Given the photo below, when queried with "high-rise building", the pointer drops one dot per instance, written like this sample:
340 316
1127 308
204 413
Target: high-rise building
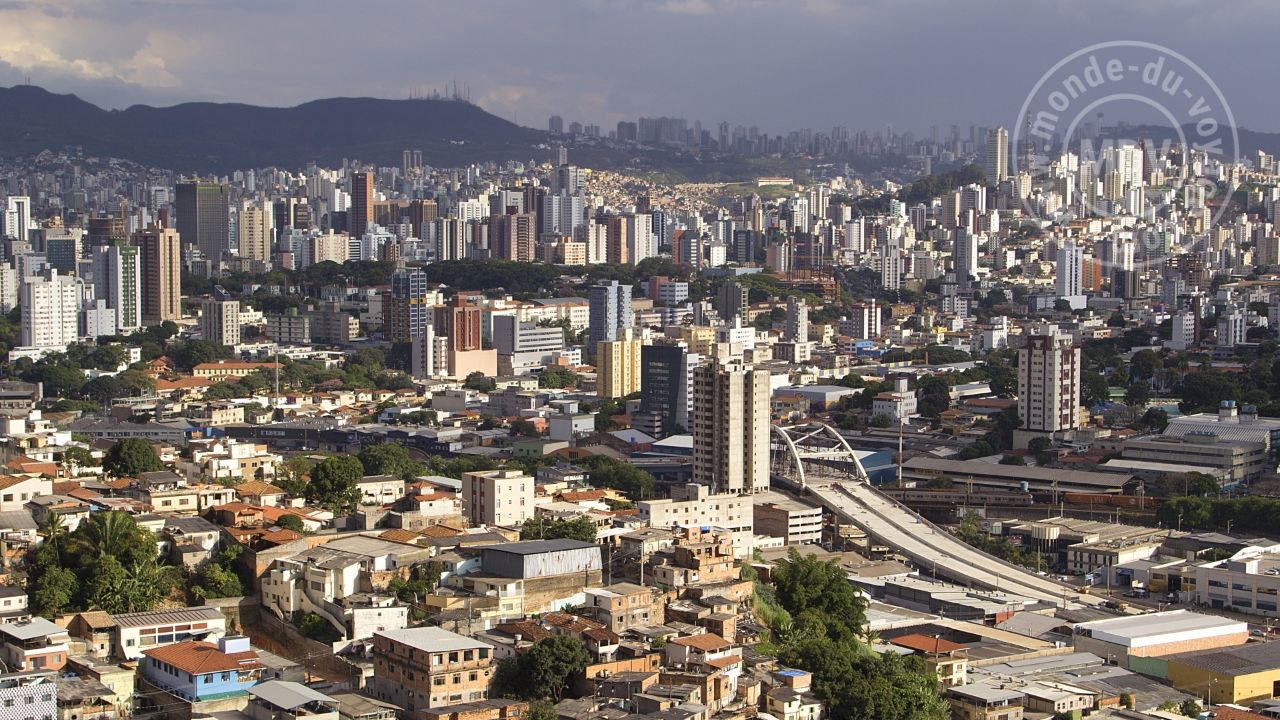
966 256
1184 330
406 311
513 236
610 308
204 216
50 310
117 279
731 428
996 160
796 328
497 497
1049 382
618 365
161 272
1232 327
361 212
1070 270
220 318
666 390
17 217
731 301
555 125
459 322
863 322
254 227
617 246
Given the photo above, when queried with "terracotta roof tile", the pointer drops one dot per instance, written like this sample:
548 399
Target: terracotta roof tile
706 642
199 658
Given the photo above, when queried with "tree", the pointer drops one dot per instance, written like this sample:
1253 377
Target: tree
557 377
1093 389
115 534
540 528
935 395
1156 419
129 457
291 475
1010 459
544 671
1190 707
479 381
806 584
101 389
334 483
216 581
880 421
1062 305
51 591
386 459
291 522
76 458
1137 394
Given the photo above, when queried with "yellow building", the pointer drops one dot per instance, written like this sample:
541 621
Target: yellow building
618 366
1231 675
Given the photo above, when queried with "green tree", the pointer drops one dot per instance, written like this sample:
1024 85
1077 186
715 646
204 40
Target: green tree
115 534
880 421
292 475
76 458
1137 394
215 581
386 459
1093 389
51 590
479 381
334 483
540 528
129 457
543 672
291 522
101 389
806 585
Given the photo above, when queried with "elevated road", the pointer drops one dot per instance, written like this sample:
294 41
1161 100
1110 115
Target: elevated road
931 547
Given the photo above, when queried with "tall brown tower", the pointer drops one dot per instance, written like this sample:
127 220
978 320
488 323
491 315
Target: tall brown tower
361 203
161 274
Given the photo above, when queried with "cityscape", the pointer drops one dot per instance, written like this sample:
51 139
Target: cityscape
375 409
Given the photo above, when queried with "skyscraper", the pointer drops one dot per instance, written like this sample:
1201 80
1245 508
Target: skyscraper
1070 270
50 310
797 325
996 161
460 323
255 224
361 212
161 254
17 217
610 309
220 318
666 390
514 236
618 365
731 428
406 311
1048 383
117 279
731 300
204 216
966 256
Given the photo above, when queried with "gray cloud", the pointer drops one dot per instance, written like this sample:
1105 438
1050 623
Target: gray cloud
780 65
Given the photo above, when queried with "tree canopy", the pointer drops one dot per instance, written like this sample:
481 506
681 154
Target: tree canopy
131 456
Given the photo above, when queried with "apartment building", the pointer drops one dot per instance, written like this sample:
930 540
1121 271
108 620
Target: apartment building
425 668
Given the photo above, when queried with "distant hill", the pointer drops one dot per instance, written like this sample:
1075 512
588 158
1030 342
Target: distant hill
1251 141
213 137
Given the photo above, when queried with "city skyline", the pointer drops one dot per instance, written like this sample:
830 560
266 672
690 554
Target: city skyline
854 70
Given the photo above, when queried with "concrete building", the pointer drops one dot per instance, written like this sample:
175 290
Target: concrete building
290 327
34 644
202 672
50 310
497 497
255 228
618 365
524 346
161 252
898 404
666 390
985 701
1247 582
622 606
220 318
1238 675
407 309
610 308
796 522
694 505
132 633
731 427
29 695
203 217
117 279
796 327
1048 385
1238 461
423 668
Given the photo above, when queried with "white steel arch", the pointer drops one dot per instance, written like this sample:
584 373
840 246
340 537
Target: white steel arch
791 446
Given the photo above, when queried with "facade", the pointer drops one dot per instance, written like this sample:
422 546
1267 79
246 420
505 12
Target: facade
693 505
29 695
524 346
1239 461
50 310
497 497
34 644
796 328
996 160
461 324
666 390
220 318
204 213
290 327
1157 634
428 667
161 253
610 307
797 523
360 214
1049 383
117 279
898 404
731 428
254 229
200 671
134 633
407 311
1248 582
618 366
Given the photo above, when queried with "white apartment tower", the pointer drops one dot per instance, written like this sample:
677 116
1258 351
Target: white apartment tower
797 325
996 161
497 497
1070 271
220 318
50 310
117 279
731 428
1049 382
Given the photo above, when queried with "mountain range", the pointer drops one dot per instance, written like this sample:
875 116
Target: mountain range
220 137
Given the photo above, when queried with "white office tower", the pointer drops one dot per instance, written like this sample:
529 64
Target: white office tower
1070 274
1125 159
50 310
1184 330
562 214
117 282
731 428
17 218
891 270
1048 383
220 318
796 328
855 235
996 160
1231 328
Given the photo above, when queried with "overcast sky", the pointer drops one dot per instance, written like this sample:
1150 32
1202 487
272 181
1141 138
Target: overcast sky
778 64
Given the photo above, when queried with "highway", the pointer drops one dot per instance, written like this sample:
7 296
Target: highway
929 546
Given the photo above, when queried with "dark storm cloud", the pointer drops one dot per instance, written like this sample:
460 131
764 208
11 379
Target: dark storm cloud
777 64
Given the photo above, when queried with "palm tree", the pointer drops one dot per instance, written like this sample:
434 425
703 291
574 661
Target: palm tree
147 582
55 532
105 533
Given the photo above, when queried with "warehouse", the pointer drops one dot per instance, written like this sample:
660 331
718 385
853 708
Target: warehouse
1234 675
1127 640
983 475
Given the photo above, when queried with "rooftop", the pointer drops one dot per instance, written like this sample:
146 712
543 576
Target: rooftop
432 639
1243 660
537 547
1161 627
200 658
168 617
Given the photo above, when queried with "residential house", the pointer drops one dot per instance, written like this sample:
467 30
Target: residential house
34 644
134 633
199 671
428 667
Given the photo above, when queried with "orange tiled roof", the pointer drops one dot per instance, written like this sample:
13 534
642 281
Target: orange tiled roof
706 642
258 487
280 537
400 535
926 644
199 658
183 383
440 531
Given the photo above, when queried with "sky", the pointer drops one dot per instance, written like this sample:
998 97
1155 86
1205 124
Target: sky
776 64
